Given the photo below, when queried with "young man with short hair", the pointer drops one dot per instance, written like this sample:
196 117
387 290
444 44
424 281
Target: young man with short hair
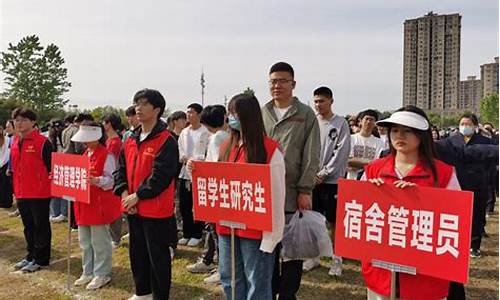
145 181
132 121
294 125
30 158
365 147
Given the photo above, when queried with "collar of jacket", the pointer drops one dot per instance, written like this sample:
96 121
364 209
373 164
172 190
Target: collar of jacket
292 111
31 135
389 169
159 127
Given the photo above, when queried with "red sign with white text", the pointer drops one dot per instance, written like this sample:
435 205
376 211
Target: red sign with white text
233 192
426 228
69 176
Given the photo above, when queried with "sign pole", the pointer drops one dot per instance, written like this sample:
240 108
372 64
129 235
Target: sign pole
233 226
394 268
393 285
68 266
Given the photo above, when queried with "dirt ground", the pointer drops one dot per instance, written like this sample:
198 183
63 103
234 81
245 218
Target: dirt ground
50 283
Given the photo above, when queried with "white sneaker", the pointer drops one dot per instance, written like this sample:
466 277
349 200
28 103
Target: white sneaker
126 237
59 219
336 267
310 264
172 253
144 297
193 242
98 282
201 267
84 279
183 241
213 279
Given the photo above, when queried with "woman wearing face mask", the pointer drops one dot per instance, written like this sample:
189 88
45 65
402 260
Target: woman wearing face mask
254 250
104 207
410 163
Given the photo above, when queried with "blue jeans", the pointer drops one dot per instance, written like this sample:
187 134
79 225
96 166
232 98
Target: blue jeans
58 206
254 268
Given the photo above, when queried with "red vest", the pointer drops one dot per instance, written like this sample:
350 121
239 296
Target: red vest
114 145
239 155
104 206
410 286
139 162
29 173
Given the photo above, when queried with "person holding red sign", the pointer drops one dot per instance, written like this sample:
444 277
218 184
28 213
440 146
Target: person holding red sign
145 179
411 162
254 250
94 218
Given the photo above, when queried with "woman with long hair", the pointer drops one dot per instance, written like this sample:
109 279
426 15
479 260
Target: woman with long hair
411 162
5 181
254 250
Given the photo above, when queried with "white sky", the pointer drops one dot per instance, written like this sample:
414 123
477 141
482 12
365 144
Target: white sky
114 48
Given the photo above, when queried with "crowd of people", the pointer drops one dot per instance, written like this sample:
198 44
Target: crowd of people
141 184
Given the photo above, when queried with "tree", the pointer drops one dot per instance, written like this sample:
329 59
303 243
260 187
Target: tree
489 109
35 75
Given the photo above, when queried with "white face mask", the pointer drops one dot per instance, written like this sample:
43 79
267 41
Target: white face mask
467 130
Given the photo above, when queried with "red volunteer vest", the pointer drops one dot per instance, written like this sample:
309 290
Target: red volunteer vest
139 161
104 206
418 287
114 145
29 174
238 155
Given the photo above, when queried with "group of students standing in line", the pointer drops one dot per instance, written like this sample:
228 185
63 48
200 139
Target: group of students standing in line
310 152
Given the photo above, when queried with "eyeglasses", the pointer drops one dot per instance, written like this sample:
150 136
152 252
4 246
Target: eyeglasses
279 81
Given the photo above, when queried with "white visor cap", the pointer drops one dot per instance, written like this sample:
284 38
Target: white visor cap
87 134
406 118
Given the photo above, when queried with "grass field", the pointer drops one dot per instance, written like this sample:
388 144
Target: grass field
50 283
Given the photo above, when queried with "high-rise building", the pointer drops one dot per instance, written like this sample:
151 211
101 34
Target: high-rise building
489 78
431 62
471 92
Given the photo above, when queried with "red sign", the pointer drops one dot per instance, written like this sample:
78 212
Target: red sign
69 176
424 228
233 192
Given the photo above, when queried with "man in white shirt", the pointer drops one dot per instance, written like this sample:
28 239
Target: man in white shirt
193 142
365 147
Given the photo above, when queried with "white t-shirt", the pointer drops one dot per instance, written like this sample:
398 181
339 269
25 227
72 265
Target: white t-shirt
280 112
214 143
192 144
366 148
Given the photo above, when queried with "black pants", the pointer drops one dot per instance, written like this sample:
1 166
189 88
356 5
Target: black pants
286 278
211 244
172 232
37 232
190 228
324 201
5 188
149 256
456 291
478 217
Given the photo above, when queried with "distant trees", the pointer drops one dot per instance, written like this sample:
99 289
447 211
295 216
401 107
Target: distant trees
489 109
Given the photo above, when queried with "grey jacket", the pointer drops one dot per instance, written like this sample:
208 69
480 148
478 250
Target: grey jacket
335 152
298 136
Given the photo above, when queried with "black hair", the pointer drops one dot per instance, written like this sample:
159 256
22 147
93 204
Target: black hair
323 91
196 107
213 116
252 132
282 67
83 117
102 140
69 118
368 112
176 115
11 123
24 113
470 116
114 120
426 150
130 111
221 107
436 130
153 97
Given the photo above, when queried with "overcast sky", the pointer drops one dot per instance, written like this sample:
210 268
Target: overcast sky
114 48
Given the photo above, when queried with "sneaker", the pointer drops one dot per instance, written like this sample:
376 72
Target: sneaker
336 267
144 297
172 253
59 219
183 241
201 267
115 245
21 264
193 242
213 279
31 267
83 280
15 213
475 253
126 237
98 282
310 264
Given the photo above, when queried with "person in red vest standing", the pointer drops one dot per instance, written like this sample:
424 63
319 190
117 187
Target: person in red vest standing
93 218
145 179
30 158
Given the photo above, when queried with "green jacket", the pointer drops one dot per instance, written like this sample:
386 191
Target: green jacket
298 136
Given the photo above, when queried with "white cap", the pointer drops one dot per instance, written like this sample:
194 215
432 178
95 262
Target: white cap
87 134
406 118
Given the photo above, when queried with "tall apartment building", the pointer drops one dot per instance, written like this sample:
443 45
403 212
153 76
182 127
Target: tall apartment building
489 78
471 92
431 62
